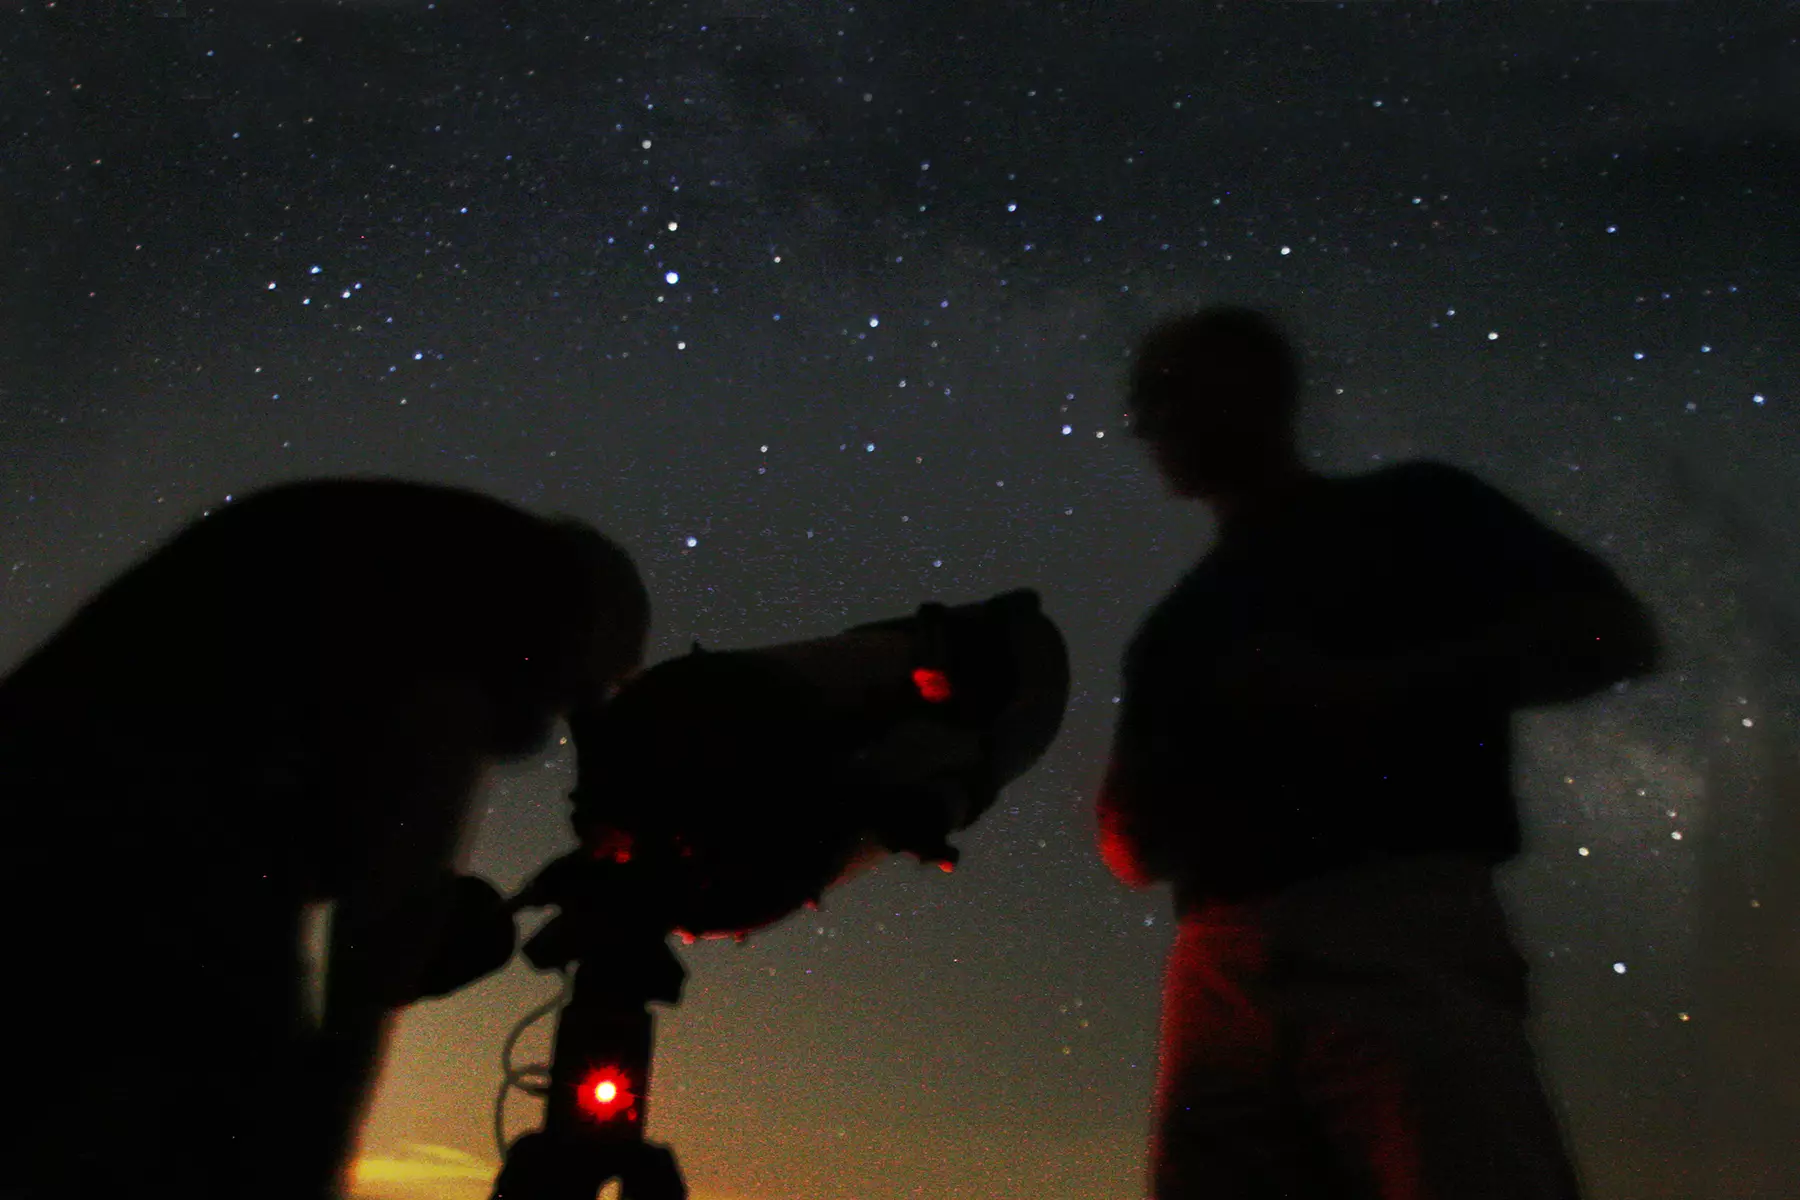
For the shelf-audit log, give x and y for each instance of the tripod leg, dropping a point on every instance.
(539, 1168)
(653, 1175)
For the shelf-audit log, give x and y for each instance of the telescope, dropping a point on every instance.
(720, 791)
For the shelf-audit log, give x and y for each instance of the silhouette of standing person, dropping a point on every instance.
(289, 704)
(1314, 747)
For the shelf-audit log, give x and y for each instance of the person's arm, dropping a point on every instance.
(1128, 845)
(404, 784)
(1552, 644)
(404, 762)
(1537, 620)
(1547, 648)
(1135, 825)
(1553, 622)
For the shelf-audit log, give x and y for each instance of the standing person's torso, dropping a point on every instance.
(1370, 568)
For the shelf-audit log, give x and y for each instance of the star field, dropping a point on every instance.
(822, 310)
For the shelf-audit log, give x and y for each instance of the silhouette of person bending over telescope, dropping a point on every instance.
(289, 704)
(1314, 747)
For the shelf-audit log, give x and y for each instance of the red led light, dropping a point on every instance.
(606, 1094)
(933, 684)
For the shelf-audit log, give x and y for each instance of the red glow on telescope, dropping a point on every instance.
(606, 1094)
(615, 844)
(933, 684)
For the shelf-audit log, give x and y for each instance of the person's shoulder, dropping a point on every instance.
(1425, 477)
(374, 495)
(1446, 503)
(1437, 492)
(353, 514)
(1192, 597)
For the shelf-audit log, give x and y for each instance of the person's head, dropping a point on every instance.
(1214, 394)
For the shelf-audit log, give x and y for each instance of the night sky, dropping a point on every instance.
(822, 310)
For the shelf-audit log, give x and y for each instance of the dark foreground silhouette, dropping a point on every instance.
(1314, 746)
(289, 703)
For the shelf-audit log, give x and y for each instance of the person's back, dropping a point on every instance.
(289, 703)
(1314, 747)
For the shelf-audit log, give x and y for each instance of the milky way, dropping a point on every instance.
(822, 310)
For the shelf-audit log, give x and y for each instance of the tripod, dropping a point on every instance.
(719, 792)
(598, 1094)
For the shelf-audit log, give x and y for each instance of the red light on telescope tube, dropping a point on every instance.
(933, 684)
(606, 1093)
